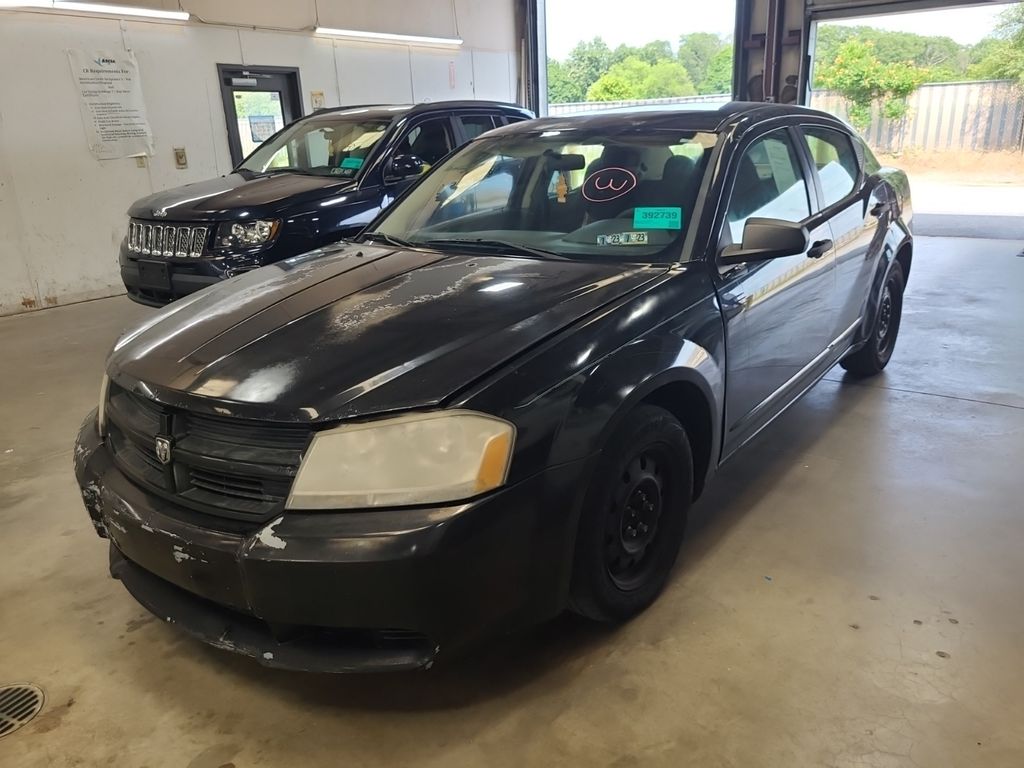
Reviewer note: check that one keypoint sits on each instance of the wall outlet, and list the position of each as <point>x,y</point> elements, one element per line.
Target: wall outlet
<point>140,161</point>
<point>317,100</point>
<point>180,158</point>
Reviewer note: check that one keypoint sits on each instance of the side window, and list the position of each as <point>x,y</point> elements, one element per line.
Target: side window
<point>836,161</point>
<point>769,184</point>
<point>429,141</point>
<point>474,125</point>
<point>871,164</point>
<point>486,187</point>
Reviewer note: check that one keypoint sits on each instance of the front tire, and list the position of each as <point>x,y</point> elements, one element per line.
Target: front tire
<point>870,359</point>
<point>634,517</point>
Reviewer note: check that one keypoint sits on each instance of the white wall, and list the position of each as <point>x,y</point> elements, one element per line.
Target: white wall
<point>62,212</point>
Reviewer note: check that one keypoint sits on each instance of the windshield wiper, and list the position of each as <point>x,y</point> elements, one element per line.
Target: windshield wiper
<point>505,245</point>
<point>275,171</point>
<point>391,240</point>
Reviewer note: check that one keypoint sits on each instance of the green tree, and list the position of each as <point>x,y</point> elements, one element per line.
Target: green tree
<point>652,52</point>
<point>696,51</point>
<point>943,58</point>
<point>719,74</point>
<point>622,81</point>
<point>667,78</point>
<point>858,75</point>
<point>634,78</point>
<point>1002,55</point>
<point>587,61</point>
<point>562,88</point>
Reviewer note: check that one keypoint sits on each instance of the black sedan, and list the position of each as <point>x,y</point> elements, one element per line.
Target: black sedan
<point>501,400</point>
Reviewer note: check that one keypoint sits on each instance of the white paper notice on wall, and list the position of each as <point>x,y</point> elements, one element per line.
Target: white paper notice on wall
<point>110,96</point>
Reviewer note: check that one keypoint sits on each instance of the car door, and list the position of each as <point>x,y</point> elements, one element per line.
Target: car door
<point>778,312</point>
<point>424,142</point>
<point>852,211</point>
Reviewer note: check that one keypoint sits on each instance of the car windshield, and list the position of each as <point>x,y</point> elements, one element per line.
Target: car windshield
<point>324,145</point>
<point>567,194</point>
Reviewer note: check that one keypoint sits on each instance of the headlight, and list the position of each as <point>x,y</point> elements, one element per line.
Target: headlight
<point>101,416</point>
<point>246,234</point>
<point>422,458</point>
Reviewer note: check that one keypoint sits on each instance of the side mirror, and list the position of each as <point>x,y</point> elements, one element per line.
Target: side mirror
<point>404,167</point>
<point>765,239</point>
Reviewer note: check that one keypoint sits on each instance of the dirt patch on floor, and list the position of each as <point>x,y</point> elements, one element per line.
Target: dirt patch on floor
<point>957,167</point>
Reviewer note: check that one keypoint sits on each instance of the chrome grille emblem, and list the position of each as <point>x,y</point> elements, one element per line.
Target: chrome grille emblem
<point>163,449</point>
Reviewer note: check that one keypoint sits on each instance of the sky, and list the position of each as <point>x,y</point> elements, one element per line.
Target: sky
<point>640,21</point>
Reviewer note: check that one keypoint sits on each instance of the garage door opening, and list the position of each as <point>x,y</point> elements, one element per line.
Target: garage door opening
<point>937,93</point>
<point>659,53</point>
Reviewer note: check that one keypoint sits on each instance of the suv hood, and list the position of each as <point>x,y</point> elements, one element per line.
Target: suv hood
<point>228,197</point>
<point>358,330</point>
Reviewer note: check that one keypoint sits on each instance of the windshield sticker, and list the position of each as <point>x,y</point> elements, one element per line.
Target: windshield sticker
<point>354,163</point>
<point>607,184</point>
<point>658,218</point>
<point>623,238</point>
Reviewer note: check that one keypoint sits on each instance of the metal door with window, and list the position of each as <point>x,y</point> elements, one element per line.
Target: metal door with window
<point>258,102</point>
<point>853,214</point>
<point>779,311</point>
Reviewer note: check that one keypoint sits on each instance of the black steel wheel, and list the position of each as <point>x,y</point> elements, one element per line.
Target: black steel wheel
<point>634,517</point>
<point>871,358</point>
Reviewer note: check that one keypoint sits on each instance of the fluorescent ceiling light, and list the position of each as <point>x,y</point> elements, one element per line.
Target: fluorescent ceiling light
<point>115,10</point>
<point>389,37</point>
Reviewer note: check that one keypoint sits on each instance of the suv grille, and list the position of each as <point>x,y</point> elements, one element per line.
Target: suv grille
<point>225,467</point>
<point>167,240</point>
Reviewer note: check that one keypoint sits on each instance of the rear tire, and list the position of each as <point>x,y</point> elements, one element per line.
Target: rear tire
<point>870,359</point>
<point>634,517</point>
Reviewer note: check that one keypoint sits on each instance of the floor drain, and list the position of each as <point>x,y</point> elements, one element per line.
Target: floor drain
<point>18,705</point>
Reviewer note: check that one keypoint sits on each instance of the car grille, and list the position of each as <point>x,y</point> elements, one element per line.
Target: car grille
<point>226,467</point>
<point>167,240</point>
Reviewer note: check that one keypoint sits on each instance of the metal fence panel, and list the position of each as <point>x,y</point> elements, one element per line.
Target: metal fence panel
<point>581,107</point>
<point>985,116</point>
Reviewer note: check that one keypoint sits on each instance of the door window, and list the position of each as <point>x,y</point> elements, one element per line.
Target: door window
<point>835,160</point>
<point>259,102</point>
<point>769,184</point>
<point>429,141</point>
<point>474,125</point>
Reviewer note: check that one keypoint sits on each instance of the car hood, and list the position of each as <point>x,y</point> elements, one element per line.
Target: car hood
<point>358,330</point>
<point>235,196</point>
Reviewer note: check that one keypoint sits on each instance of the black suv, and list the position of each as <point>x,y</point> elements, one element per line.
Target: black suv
<point>316,181</point>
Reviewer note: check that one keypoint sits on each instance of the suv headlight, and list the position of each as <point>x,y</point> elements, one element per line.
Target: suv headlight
<point>101,413</point>
<point>422,458</point>
<point>240,235</point>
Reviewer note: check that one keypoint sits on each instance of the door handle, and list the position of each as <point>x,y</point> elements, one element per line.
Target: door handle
<point>819,249</point>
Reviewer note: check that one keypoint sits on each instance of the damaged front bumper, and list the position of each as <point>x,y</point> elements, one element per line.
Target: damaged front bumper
<point>337,591</point>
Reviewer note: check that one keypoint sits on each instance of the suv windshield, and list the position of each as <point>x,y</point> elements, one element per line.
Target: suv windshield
<point>571,194</point>
<point>324,145</point>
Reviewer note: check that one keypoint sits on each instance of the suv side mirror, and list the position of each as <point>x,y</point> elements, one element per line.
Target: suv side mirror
<point>403,167</point>
<point>765,239</point>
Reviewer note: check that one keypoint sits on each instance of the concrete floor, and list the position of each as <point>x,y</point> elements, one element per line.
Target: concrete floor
<point>850,594</point>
